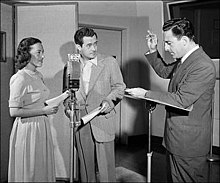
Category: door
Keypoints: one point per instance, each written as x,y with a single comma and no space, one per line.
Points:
54,24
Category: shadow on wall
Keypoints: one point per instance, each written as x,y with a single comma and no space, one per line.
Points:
56,83
65,49
136,74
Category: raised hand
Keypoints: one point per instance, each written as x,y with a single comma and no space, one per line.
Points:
151,41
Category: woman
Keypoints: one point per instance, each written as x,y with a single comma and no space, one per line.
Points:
31,157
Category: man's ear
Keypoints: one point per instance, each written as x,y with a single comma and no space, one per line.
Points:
185,40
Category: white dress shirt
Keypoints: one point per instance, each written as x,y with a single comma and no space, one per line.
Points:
86,72
189,53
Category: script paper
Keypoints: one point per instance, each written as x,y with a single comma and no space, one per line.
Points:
159,102
57,100
91,115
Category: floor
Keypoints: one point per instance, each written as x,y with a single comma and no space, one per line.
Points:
134,157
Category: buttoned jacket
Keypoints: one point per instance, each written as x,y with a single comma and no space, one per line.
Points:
191,84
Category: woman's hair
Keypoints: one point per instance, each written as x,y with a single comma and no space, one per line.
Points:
23,55
83,32
180,27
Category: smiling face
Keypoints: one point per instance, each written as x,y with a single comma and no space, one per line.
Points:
174,45
37,55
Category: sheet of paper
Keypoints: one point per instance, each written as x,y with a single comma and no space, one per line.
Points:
57,100
91,115
159,102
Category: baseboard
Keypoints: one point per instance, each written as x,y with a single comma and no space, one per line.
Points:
156,143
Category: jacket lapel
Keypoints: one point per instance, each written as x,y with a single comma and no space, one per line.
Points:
181,71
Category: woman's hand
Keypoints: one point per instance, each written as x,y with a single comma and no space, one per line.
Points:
50,109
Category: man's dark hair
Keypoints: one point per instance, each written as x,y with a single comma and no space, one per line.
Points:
83,32
180,27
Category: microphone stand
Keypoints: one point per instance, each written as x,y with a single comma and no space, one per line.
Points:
150,106
74,123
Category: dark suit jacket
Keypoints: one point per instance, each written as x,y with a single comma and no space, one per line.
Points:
106,83
187,133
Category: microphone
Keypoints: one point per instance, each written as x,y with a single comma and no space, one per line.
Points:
73,72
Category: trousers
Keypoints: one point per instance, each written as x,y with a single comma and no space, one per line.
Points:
186,169
96,159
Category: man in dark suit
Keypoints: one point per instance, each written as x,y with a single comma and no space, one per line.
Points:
101,84
192,79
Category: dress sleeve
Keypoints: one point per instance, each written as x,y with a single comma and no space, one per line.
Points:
17,91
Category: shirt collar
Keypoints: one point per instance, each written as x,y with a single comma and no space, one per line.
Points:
93,61
189,53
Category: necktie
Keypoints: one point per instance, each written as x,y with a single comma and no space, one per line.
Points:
177,67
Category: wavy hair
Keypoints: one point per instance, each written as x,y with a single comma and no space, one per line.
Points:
180,27
83,32
23,55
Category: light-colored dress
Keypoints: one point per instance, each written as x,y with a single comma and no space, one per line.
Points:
31,156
